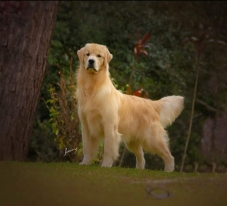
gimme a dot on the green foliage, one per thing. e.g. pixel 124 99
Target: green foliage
pixel 63 115
pixel 42 146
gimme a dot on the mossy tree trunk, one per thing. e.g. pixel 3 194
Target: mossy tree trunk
pixel 25 34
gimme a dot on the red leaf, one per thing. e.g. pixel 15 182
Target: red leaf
pixel 145 38
pixel 144 52
pixel 140 44
pixel 138 92
pixel 137 48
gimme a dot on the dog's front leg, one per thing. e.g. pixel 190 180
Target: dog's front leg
pixel 86 145
pixel 90 144
pixel 111 144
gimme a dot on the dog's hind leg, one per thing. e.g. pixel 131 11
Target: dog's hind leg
pixel 137 149
pixel 166 156
pixel 158 144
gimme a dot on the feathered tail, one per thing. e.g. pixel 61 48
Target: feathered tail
pixel 168 108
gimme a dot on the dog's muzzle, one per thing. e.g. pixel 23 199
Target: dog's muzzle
pixel 91 66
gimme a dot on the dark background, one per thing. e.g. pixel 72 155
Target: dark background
pixel 168 69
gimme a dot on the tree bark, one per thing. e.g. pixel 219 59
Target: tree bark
pixel 26 28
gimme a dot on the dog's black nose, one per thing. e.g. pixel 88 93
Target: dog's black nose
pixel 91 61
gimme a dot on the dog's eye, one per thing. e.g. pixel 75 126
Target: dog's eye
pixel 88 54
pixel 99 55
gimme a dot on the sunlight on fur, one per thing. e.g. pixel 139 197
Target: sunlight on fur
pixel 109 115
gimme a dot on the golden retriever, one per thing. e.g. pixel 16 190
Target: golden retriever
pixel 109 115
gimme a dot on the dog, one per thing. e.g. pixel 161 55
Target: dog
pixel 109 115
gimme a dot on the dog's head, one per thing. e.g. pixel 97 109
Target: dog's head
pixel 94 57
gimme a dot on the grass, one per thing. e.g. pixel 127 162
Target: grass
pixel 71 184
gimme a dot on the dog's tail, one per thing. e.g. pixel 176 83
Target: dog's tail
pixel 168 108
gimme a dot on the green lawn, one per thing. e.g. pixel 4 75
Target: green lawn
pixel 71 184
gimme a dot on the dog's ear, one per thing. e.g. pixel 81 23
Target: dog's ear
pixel 80 54
pixel 108 56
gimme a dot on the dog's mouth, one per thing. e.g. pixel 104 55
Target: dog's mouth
pixel 92 70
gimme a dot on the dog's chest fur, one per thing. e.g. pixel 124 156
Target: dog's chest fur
pixel 91 103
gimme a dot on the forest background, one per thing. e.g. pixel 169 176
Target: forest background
pixel 182 38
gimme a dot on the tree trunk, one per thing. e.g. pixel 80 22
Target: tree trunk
pixel 26 28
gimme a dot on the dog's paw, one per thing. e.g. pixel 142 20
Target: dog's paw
pixel 169 168
pixel 140 167
pixel 84 163
pixel 140 164
pixel 107 163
